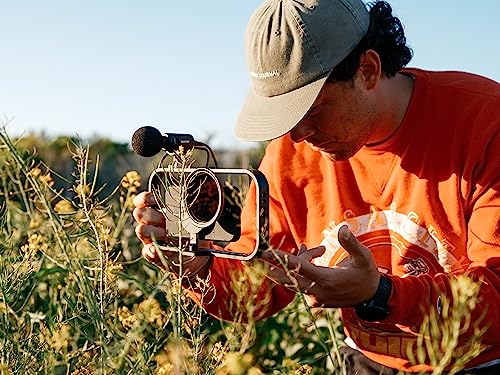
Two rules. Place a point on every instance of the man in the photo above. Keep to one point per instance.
(389, 176)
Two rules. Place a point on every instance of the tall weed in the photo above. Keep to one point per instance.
(76, 297)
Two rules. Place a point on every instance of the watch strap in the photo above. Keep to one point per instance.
(376, 308)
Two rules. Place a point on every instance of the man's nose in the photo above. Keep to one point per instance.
(301, 132)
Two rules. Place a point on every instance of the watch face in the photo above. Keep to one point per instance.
(371, 313)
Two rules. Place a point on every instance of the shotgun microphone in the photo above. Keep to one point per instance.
(148, 141)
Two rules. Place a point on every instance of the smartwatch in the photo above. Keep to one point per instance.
(375, 309)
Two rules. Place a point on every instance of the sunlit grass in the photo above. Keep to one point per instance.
(77, 298)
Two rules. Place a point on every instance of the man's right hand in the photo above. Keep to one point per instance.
(151, 231)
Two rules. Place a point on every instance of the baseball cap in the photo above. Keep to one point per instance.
(291, 47)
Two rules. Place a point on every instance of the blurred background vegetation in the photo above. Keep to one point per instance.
(116, 158)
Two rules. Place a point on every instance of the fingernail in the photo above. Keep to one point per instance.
(347, 232)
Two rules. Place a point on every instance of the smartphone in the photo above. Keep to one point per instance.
(203, 204)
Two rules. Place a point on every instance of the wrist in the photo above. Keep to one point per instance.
(376, 309)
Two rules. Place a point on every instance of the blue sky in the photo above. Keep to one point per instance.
(106, 67)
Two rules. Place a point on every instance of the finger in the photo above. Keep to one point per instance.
(140, 199)
(360, 254)
(149, 233)
(153, 255)
(144, 199)
(289, 262)
(302, 249)
(275, 257)
(150, 216)
(290, 280)
(149, 253)
(312, 253)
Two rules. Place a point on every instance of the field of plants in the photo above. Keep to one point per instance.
(77, 298)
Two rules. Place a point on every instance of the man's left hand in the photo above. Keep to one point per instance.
(351, 282)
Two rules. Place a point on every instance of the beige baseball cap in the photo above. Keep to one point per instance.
(291, 47)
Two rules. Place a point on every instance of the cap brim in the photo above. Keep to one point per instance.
(264, 118)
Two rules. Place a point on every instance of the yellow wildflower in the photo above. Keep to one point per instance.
(36, 221)
(105, 228)
(304, 370)
(60, 338)
(152, 311)
(168, 369)
(35, 242)
(35, 172)
(47, 179)
(131, 181)
(296, 368)
(237, 364)
(83, 247)
(164, 367)
(82, 190)
(178, 354)
(64, 207)
(189, 324)
(111, 273)
(218, 352)
(126, 317)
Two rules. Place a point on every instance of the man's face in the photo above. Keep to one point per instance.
(340, 122)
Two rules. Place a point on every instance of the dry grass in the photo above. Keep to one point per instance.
(76, 297)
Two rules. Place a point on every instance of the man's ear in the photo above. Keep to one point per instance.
(370, 69)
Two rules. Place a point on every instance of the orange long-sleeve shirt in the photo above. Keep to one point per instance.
(426, 202)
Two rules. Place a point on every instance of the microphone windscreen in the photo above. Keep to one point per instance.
(147, 141)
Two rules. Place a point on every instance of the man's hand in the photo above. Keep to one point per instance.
(151, 230)
(351, 282)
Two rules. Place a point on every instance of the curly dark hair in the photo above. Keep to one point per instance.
(385, 36)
